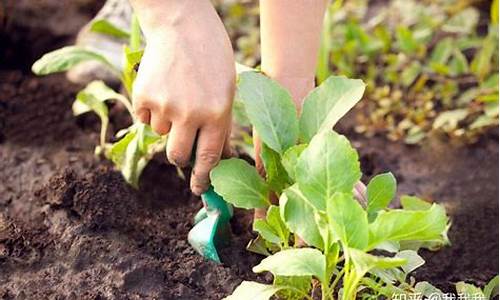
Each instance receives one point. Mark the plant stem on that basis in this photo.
(102, 136)
(337, 279)
(127, 104)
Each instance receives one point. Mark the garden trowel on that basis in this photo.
(212, 229)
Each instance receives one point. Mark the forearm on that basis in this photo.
(290, 40)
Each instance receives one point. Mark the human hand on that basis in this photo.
(185, 83)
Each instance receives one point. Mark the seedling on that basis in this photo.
(313, 171)
(133, 146)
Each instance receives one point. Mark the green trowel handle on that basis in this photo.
(214, 204)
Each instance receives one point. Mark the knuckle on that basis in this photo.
(209, 157)
(161, 130)
(199, 184)
(177, 158)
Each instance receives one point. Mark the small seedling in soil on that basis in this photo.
(313, 170)
(134, 146)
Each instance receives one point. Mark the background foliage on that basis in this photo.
(429, 65)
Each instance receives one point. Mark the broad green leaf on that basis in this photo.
(348, 220)
(380, 191)
(405, 39)
(63, 59)
(389, 246)
(276, 175)
(469, 291)
(272, 228)
(249, 290)
(239, 114)
(240, 184)
(459, 64)
(491, 288)
(128, 154)
(428, 290)
(389, 276)
(483, 121)
(266, 231)
(274, 220)
(413, 260)
(258, 245)
(290, 158)
(326, 104)
(299, 215)
(103, 26)
(411, 73)
(301, 285)
(270, 109)
(414, 203)
(441, 53)
(364, 262)
(448, 120)
(146, 137)
(463, 23)
(294, 262)
(328, 165)
(481, 64)
(490, 84)
(401, 225)
(100, 92)
(491, 108)
(86, 102)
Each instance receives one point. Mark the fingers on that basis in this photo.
(227, 150)
(143, 115)
(180, 143)
(159, 123)
(210, 143)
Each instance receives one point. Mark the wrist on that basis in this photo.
(160, 17)
(298, 86)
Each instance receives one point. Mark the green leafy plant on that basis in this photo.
(313, 171)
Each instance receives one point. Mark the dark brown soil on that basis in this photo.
(71, 228)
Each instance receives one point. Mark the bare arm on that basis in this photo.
(290, 40)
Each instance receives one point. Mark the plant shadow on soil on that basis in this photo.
(70, 227)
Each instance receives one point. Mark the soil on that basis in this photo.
(71, 228)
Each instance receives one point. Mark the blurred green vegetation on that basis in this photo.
(429, 65)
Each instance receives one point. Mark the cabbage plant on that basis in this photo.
(312, 170)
